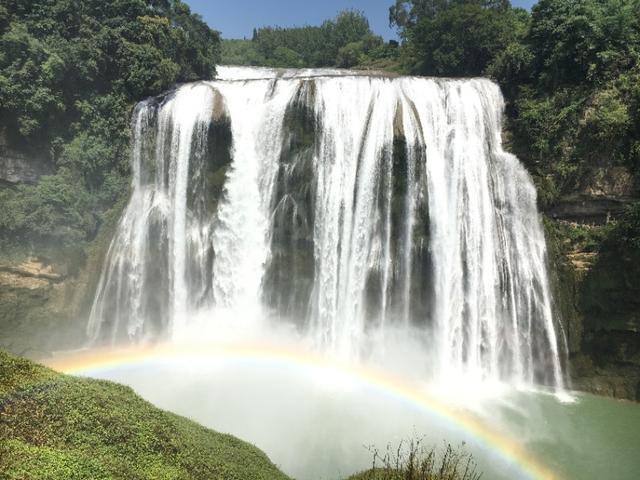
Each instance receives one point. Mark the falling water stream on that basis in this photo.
(355, 208)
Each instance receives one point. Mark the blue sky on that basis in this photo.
(237, 18)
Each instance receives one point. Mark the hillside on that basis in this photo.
(56, 426)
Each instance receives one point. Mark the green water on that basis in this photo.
(593, 438)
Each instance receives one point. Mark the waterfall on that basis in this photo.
(345, 204)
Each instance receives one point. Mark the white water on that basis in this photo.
(241, 231)
(395, 219)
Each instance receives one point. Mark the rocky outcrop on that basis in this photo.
(29, 271)
(593, 210)
(610, 182)
(45, 297)
(597, 294)
(19, 167)
(602, 198)
(16, 167)
(36, 303)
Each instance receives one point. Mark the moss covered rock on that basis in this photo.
(596, 282)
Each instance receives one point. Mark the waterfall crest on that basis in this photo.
(346, 204)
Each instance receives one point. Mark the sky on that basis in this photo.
(237, 18)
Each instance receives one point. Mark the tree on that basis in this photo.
(584, 40)
(309, 46)
(70, 72)
(406, 13)
(456, 37)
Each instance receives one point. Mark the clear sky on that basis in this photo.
(237, 18)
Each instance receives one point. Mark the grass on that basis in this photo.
(413, 461)
(54, 426)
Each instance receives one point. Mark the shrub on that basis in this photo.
(413, 461)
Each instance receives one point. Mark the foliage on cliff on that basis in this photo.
(55, 426)
(70, 71)
(610, 295)
(346, 41)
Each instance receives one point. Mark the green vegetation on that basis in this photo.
(456, 38)
(54, 426)
(57, 426)
(415, 462)
(346, 41)
(70, 72)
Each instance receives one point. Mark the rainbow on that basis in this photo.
(94, 361)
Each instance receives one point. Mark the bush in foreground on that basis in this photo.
(413, 461)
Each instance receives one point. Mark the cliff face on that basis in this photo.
(597, 286)
(37, 293)
(17, 166)
(609, 300)
(45, 297)
(46, 294)
(601, 199)
(38, 305)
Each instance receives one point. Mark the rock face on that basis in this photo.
(597, 293)
(37, 304)
(609, 301)
(45, 296)
(603, 198)
(18, 167)
(598, 210)
(597, 284)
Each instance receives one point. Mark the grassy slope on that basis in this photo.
(54, 426)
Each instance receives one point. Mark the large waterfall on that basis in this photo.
(353, 207)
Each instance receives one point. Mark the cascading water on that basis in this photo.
(352, 206)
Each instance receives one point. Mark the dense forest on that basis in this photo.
(345, 42)
(70, 73)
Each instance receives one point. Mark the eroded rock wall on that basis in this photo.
(46, 295)
(597, 285)
(17, 166)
